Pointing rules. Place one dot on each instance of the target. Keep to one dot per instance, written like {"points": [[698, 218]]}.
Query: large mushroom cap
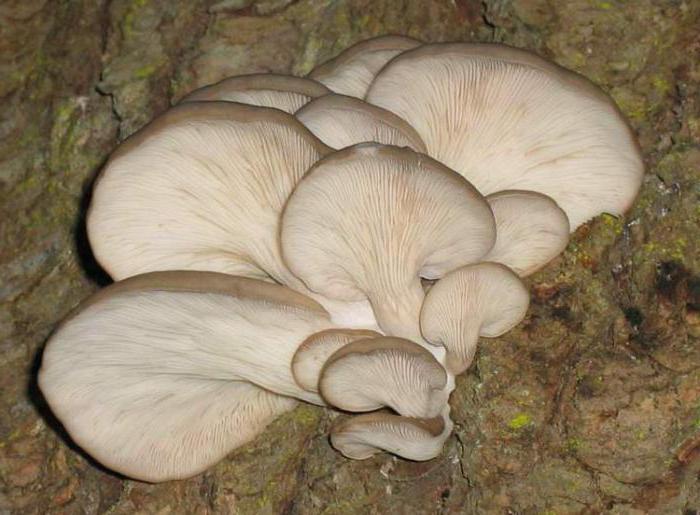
{"points": [[351, 72], [362, 436], [371, 220], [154, 376], [484, 299], [369, 374], [341, 121], [313, 353], [262, 89], [507, 119], [531, 230], [201, 188]]}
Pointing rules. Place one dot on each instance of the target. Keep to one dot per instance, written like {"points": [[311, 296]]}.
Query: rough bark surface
{"points": [[591, 406]]}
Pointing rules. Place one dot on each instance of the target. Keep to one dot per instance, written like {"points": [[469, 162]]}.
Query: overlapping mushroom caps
{"points": [[162, 374], [351, 72], [507, 119], [370, 221]]}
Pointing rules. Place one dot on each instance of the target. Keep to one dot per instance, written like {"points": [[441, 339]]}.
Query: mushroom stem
{"points": [[398, 314]]}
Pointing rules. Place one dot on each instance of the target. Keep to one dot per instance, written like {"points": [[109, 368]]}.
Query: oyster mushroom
{"points": [[531, 230], [483, 299], [341, 121], [262, 89], [370, 221], [351, 72], [507, 119]]}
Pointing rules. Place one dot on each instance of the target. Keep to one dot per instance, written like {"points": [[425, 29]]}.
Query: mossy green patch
{"points": [[520, 421]]}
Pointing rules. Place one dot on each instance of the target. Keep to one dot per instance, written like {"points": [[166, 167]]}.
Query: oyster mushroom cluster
{"points": [[343, 239]]}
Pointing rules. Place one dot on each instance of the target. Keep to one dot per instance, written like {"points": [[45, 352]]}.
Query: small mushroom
{"points": [[351, 72], [369, 374], [262, 89], [313, 353], [362, 436], [484, 299], [341, 121], [159, 376], [505, 119], [531, 230], [369, 221]]}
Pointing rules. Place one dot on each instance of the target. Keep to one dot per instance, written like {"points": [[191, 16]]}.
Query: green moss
{"points": [[519, 421], [145, 71]]}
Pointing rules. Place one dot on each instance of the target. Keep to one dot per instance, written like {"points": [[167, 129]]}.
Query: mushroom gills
{"points": [[369, 374], [362, 436]]}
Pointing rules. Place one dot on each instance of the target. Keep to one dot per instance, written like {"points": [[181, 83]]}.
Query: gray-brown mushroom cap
{"points": [[369, 221], [369, 374], [531, 230], [362, 436], [351, 72], [484, 299], [341, 121], [160, 376], [507, 119], [312, 354], [283, 92], [201, 188]]}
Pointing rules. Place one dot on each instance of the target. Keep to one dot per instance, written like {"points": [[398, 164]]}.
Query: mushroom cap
{"points": [[369, 221], [484, 299], [283, 92], [313, 353], [369, 374], [341, 121], [508, 119], [362, 436], [153, 376], [201, 188], [531, 230], [351, 72]]}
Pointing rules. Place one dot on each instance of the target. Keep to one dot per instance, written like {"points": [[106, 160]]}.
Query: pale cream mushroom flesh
{"points": [[508, 119], [202, 188], [159, 376], [484, 299], [362, 436], [341, 121], [531, 230], [370, 221], [262, 89], [351, 72], [369, 374]]}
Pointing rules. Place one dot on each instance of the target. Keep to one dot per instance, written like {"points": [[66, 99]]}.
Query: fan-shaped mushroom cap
{"points": [[507, 119], [531, 230], [369, 221], [340, 121], [201, 188], [158, 376], [351, 72], [362, 436], [311, 355], [262, 89], [485, 299], [366, 375]]}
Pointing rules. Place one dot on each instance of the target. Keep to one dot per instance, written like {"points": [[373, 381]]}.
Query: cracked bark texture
{"points": [[592, 405]]}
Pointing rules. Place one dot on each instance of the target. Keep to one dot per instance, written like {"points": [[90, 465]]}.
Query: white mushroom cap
{"points": [[531, 230], [369, 221], [262, 89], [201, 188], [313, 353], [369, 374], [158, 376], [508, 119], [485, 299], [362, 436], [351, 72], [341, 121]]}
